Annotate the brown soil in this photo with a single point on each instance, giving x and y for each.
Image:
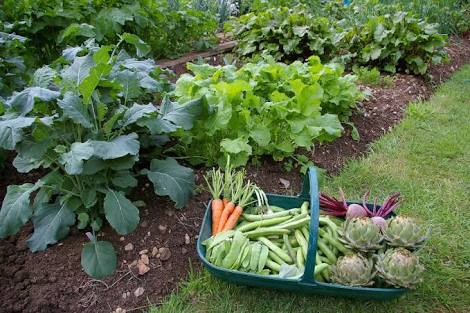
(52, 281)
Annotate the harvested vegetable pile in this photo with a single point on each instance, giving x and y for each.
(368, 247)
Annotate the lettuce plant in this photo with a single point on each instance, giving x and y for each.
(84, 120)
(264, 108)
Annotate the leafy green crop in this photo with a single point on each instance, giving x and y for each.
(394, 42)
(283, 33)
(52, 25)
(390, 42)
(264, 108)
(13, 74)
(86, 119)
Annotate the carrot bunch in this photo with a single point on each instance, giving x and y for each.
(237, 194)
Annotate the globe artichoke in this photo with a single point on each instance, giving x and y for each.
(399, 268)
(406, 232)
(361, 234)
(353, 270)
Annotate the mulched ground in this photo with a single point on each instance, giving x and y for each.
(52, 281)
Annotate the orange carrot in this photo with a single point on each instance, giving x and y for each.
(233, 219)
(217, 209)
(226, 201)
(225, 215)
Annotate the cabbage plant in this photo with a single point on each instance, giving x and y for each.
(84, 120)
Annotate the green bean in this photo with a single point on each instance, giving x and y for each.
(294, 218)
(319, 278)
(260, 217)
(235, 250)
(263, 223)
(326, 221)
(262, 232)
(330, 255)
(288, 246)
(219, 238)
(324, 259)
(304, 207)
(263, 258)
(302, 242)
(273, 265)
(335, 243)
(317, 258)
(305, 232)
(300, 259)
(320, 268)
(255, 255)
(284, 256)
(241, 224)
(275, 257)
(276, 208)
(296, 224)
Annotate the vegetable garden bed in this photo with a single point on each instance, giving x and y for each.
(52, 281)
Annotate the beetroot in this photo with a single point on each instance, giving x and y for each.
(356, 210)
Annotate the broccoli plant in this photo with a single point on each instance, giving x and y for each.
(85, 120)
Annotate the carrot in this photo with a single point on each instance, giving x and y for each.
(233, 219)
(217, 209)
(225, 201)
(225, 215)
(214, 180)
(244, 198)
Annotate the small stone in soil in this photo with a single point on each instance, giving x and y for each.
(121, 239)
(144, 258)
(145, 251)
(170, 213)
(142, 267)
(129, 247)
(187, 240)
(144, 224)
(165, 253)
(139, 291)
(184, 250)
(154, 251)
(162, 228)
(119, 310)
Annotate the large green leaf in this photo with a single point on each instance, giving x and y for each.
(171, 179)
(11, 131)
(116, 148)
(98, 259)
(130, 83)
(73, 160)
(136, 112)
(78, 70)
(74, 109)
(76, 30)
(124, 179)
(25, 165)
(89, 84)
(310, 98)
(120, 212)
(52, 223)
(23, 102)
(43, 76)
(173, 116)
(16, 209)
(141, 47)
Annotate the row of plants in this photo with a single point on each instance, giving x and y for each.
(397, 41)
(169, 28)
(264, 108)
(85, 120)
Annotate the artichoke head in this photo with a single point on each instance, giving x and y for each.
(406, 232)
(361, 234)
(399, 268)
(353, 270)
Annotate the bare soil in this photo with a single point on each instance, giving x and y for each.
(52, 281)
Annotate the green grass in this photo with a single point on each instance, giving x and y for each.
(426, 158)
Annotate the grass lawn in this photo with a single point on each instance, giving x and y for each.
(427, 158)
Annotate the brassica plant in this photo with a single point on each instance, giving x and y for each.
(85, 120)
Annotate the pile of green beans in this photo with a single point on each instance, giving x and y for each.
(261, 243)
(329, 248)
